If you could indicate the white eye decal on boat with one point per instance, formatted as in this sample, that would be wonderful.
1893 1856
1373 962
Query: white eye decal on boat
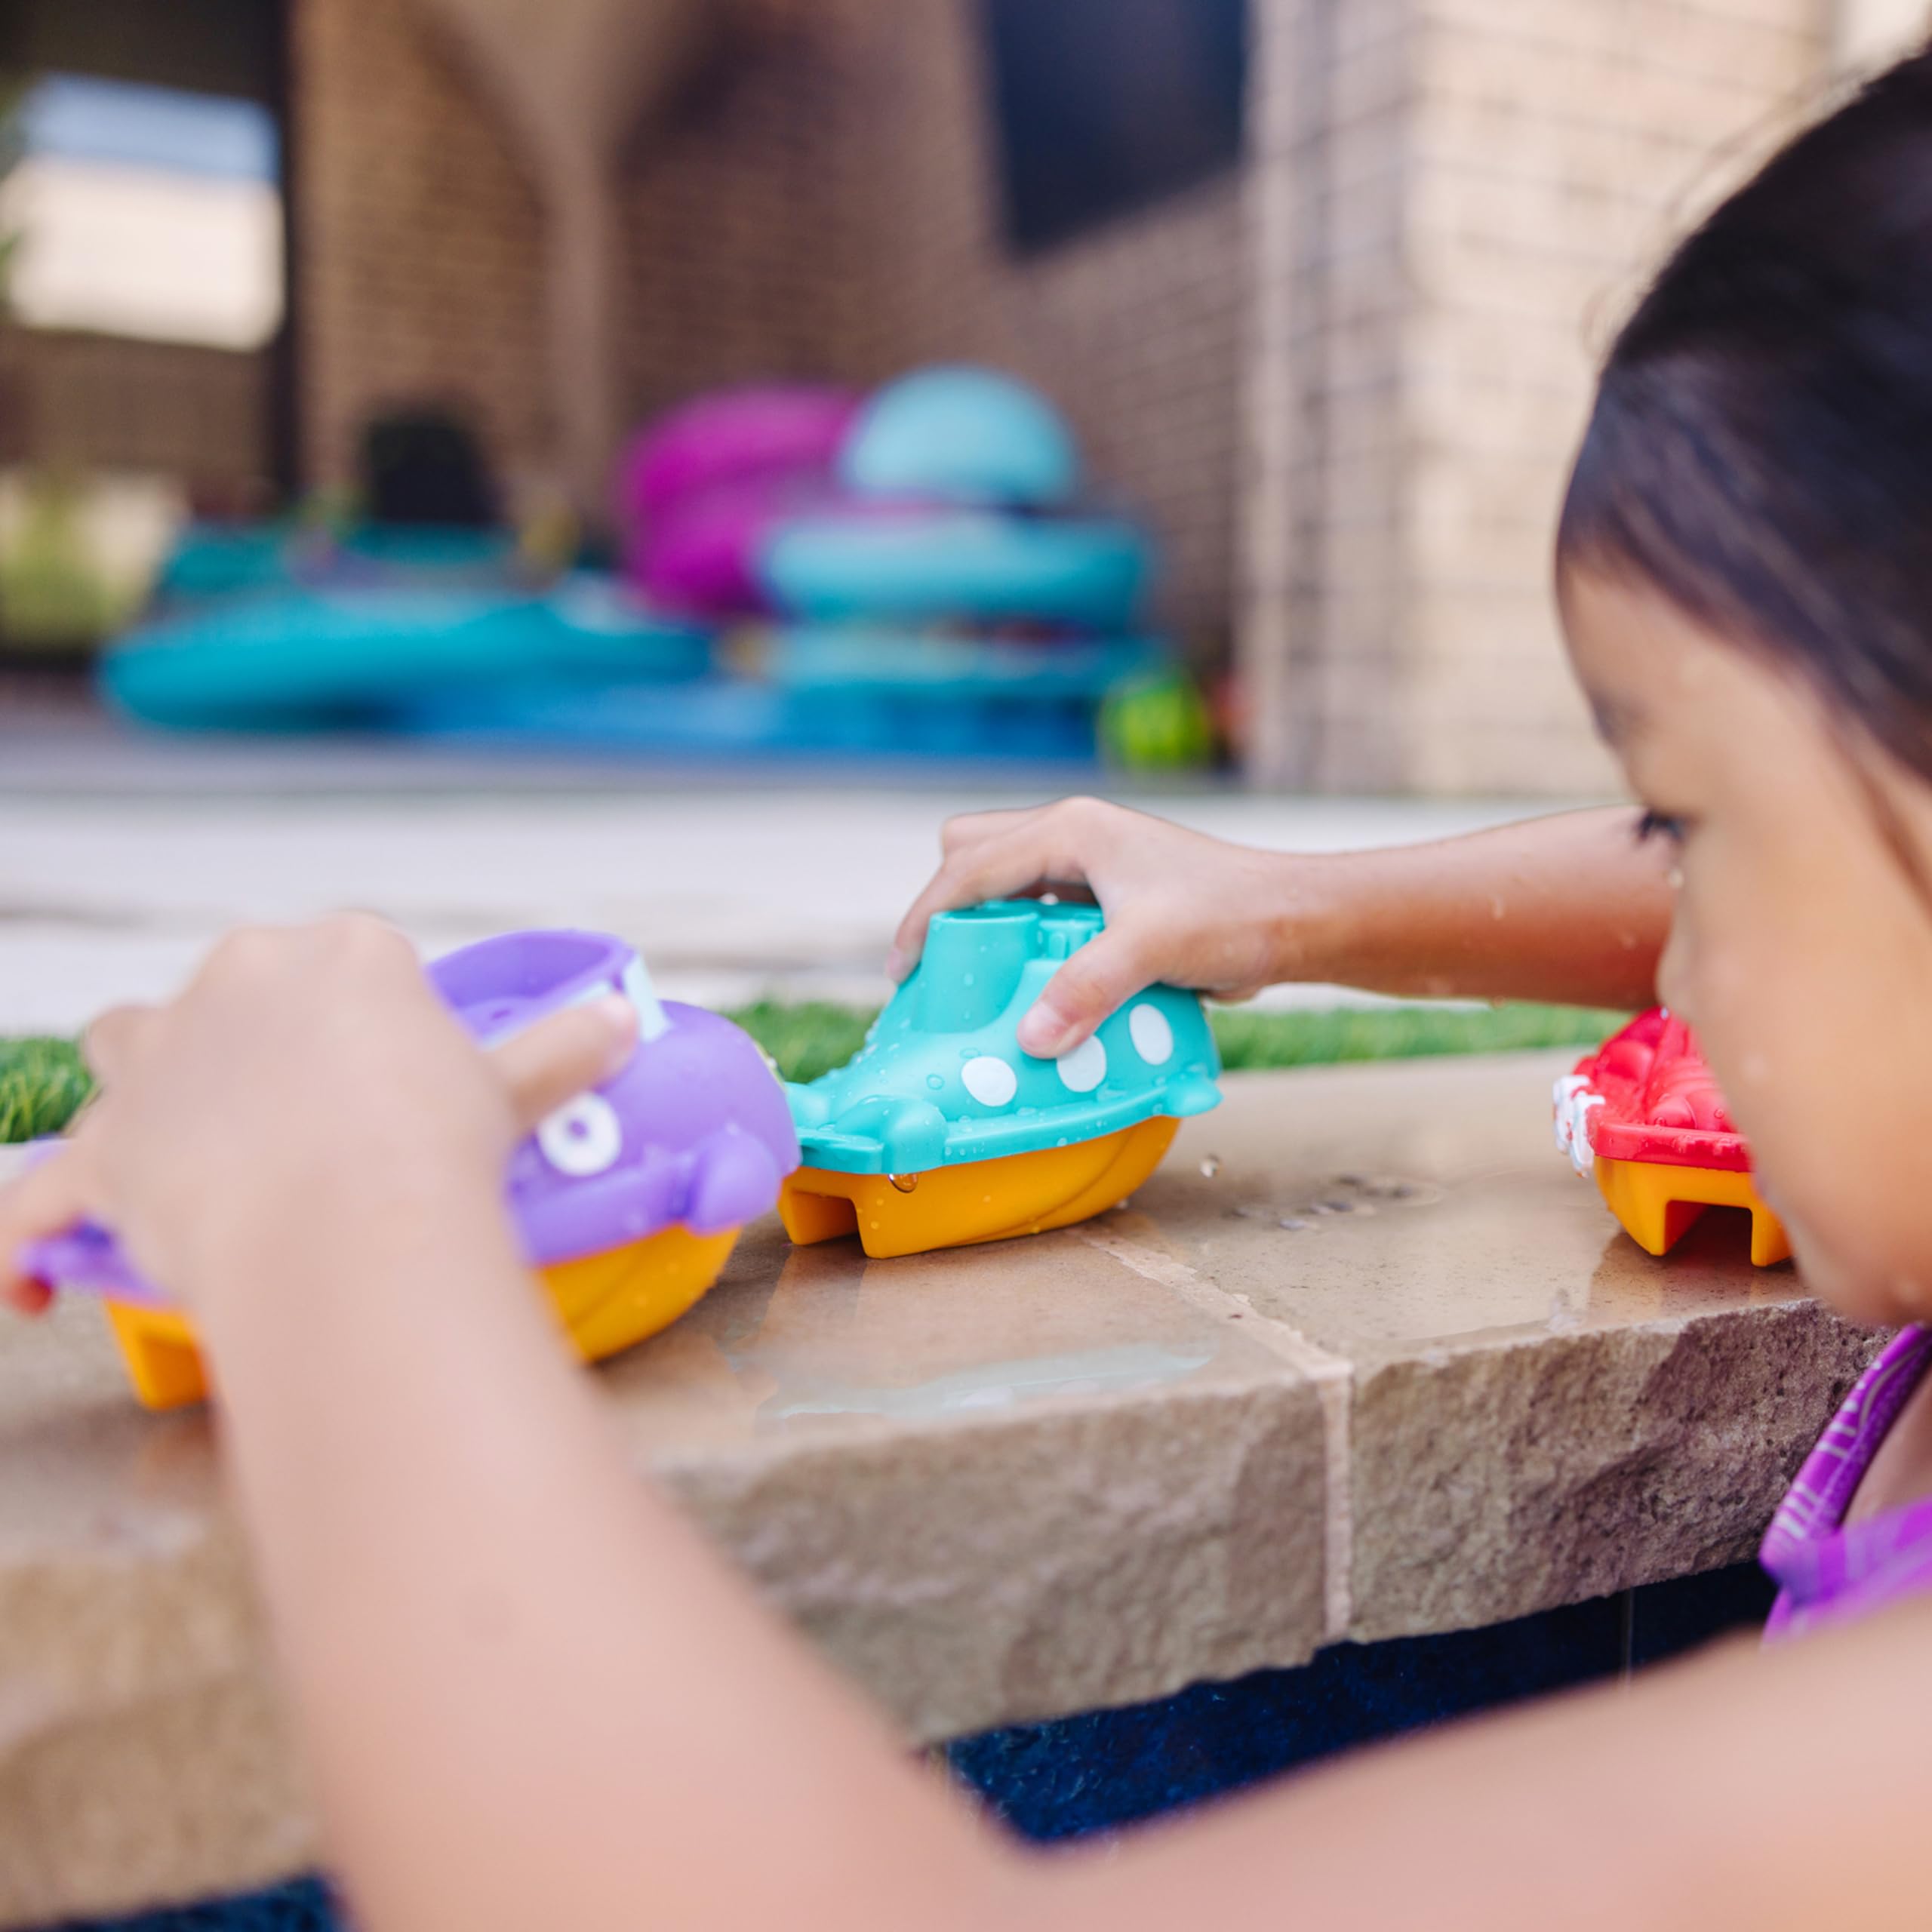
582 1137
1153 1038
1084 1069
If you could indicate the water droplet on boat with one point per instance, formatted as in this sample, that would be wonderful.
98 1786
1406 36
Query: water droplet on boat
934 1081
906 1183
1211 1165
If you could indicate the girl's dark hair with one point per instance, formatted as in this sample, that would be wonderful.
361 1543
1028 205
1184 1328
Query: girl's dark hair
1760 450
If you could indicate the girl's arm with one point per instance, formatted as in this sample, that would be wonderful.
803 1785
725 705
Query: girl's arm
1572 908
533 1697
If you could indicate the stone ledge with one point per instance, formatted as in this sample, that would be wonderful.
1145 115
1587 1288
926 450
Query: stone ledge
1007 1483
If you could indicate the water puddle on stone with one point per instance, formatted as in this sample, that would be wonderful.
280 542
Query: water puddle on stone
1105 1371
1345 1195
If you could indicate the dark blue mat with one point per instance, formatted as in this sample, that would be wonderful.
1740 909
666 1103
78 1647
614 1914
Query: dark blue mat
1076 1775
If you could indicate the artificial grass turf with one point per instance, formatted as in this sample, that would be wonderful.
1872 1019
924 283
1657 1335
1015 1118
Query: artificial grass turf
42 1081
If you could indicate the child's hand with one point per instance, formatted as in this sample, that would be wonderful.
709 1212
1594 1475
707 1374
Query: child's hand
1180 906
306 1074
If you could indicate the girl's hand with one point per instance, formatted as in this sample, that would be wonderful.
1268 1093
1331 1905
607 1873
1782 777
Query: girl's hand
1571 908
1182 907
307 1075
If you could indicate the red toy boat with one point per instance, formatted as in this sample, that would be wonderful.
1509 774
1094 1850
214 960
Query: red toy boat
1643 1113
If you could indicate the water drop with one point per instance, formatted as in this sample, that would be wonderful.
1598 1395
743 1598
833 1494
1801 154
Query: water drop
933 1081
906 1183
1211 1165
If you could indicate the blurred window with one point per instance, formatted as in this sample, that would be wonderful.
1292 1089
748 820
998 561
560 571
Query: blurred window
146 211
1104 106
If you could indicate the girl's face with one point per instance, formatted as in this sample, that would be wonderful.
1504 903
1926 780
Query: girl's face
1800 949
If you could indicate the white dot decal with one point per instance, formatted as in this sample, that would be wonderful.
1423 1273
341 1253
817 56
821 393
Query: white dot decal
1084 1069
990 1080
582 1137
1153 1038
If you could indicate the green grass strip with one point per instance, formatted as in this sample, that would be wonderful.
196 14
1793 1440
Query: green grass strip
1252 1042
42 1081
806 1038
42 1084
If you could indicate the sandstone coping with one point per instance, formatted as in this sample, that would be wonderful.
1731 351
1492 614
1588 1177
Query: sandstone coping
1363 1359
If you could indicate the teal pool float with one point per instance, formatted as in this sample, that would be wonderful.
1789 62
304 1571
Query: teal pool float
301 660
983 568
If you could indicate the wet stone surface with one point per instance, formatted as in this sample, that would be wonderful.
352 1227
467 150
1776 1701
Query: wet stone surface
1363 1359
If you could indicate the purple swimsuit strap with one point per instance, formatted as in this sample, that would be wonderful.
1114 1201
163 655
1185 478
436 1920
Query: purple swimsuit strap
1827 1569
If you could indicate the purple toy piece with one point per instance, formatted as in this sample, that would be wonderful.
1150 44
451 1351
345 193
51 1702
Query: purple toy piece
778 430
694 1128
700 557
89 1257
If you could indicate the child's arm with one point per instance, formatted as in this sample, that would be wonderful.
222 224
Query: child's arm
531 1697
1573 908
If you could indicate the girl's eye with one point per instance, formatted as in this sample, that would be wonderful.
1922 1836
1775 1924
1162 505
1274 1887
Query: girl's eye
1660 825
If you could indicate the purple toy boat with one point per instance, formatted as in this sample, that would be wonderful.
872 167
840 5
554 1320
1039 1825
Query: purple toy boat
628 1199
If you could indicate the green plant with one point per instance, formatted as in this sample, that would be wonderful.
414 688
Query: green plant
12 146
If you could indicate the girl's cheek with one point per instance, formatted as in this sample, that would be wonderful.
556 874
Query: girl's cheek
1675 976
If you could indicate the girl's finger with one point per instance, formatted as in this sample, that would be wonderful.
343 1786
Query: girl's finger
968 829
557 1058
1021 862
1105 973
114 1038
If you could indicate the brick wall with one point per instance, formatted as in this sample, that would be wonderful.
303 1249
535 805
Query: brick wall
1557 152
1134 327
822 204
828 206
1344 389
1490 180
85 403
418 239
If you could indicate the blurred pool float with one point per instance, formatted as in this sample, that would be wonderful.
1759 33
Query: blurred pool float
304 660
975 566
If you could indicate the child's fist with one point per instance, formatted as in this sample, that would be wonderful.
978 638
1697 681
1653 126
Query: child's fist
1181 907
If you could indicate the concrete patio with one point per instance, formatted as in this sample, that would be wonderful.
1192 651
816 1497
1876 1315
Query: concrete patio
122 856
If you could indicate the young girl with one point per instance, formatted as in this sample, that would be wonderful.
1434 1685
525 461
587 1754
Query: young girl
489 1633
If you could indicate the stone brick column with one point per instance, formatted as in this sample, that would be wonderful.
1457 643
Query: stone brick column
1452 202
